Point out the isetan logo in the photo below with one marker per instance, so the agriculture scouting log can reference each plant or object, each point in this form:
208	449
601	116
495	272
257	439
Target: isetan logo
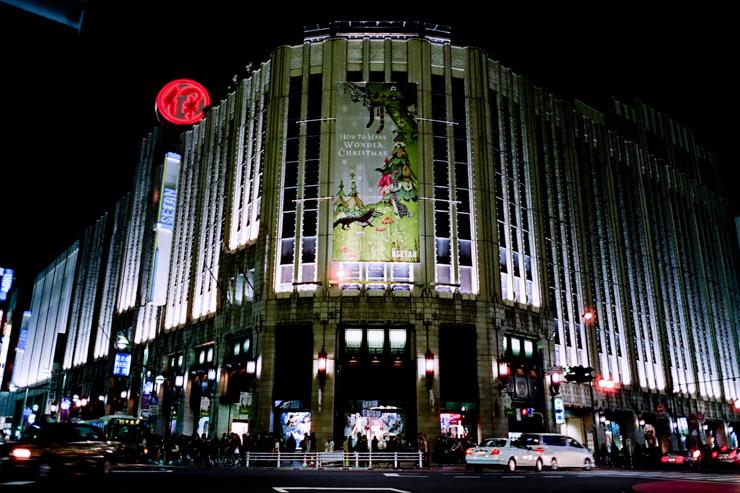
182	101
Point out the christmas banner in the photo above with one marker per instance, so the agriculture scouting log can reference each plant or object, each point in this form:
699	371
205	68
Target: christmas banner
376	196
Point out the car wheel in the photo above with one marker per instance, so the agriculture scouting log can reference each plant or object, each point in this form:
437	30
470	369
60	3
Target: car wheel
554	465
511	466
44	469
477	468
538	465
587	464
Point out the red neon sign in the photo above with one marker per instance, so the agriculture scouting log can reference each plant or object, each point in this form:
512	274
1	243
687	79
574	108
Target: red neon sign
182	101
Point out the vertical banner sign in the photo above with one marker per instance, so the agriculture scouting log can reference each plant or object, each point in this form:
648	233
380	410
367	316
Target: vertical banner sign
6	280
559	409
165	224
376	196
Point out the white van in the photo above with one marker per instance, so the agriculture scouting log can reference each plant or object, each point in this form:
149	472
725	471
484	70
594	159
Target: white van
557	450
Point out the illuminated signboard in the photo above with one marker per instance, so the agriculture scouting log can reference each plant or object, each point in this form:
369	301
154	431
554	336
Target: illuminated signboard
6	280
165	223
122	365
376	202
23	337
182	101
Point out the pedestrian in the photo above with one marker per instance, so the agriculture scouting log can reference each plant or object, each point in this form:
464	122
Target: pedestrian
329	445
290	444
345	451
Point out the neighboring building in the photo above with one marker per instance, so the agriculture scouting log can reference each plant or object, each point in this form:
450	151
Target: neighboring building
381	231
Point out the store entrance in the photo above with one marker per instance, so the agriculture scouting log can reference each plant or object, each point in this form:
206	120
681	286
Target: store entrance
375	378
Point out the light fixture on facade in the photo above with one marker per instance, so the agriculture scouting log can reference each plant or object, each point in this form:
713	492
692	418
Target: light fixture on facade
251	367
211	374
124	394
642	422
429	366
589	316
179	380
322	363
504	369
83	402
53	408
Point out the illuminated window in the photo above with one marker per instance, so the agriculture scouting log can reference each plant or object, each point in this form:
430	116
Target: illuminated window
397	338
515	346
353	338
375	340
237	349
528	348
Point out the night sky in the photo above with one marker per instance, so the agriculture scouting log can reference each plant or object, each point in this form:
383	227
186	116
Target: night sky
76	105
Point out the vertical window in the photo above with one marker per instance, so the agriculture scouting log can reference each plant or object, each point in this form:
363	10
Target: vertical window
453	222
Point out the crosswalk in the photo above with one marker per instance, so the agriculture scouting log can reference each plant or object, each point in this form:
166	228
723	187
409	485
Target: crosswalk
666	475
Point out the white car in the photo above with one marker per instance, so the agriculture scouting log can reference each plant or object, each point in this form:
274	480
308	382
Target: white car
557	450
503	452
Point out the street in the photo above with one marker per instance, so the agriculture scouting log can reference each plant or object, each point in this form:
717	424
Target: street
451	479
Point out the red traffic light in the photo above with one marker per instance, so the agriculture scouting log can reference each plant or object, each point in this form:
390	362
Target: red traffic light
525	411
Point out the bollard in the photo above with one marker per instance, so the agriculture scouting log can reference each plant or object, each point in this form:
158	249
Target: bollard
395	460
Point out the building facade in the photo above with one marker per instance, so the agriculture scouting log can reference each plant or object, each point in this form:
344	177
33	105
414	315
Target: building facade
381	233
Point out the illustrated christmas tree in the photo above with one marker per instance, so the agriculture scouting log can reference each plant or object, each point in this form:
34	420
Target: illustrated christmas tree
402	174
354	203
340	199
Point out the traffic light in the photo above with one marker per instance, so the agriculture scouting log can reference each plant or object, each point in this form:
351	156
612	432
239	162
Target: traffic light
587	374
579	374
526	412
570	373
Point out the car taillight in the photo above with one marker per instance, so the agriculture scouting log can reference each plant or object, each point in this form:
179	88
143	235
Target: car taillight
733	454
539	450
469	451
696	454
664	459
21	453
495	451
679	459
723	449
714	454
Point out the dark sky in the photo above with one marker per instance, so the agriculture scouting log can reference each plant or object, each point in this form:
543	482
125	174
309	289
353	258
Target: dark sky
77	104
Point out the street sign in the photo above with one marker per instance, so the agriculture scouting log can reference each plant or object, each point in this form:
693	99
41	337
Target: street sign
559	410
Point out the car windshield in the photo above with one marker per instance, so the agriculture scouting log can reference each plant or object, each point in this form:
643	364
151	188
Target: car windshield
63	432
494	442
525	440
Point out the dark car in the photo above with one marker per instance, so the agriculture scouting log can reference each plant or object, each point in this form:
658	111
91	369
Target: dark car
688	459
52	448
729	457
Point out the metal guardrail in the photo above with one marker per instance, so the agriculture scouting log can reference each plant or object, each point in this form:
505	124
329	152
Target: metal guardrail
333	459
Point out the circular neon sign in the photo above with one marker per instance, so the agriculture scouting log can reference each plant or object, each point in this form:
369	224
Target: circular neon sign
182	101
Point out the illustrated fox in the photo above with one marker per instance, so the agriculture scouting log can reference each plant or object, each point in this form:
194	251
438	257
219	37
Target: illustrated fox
364	220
